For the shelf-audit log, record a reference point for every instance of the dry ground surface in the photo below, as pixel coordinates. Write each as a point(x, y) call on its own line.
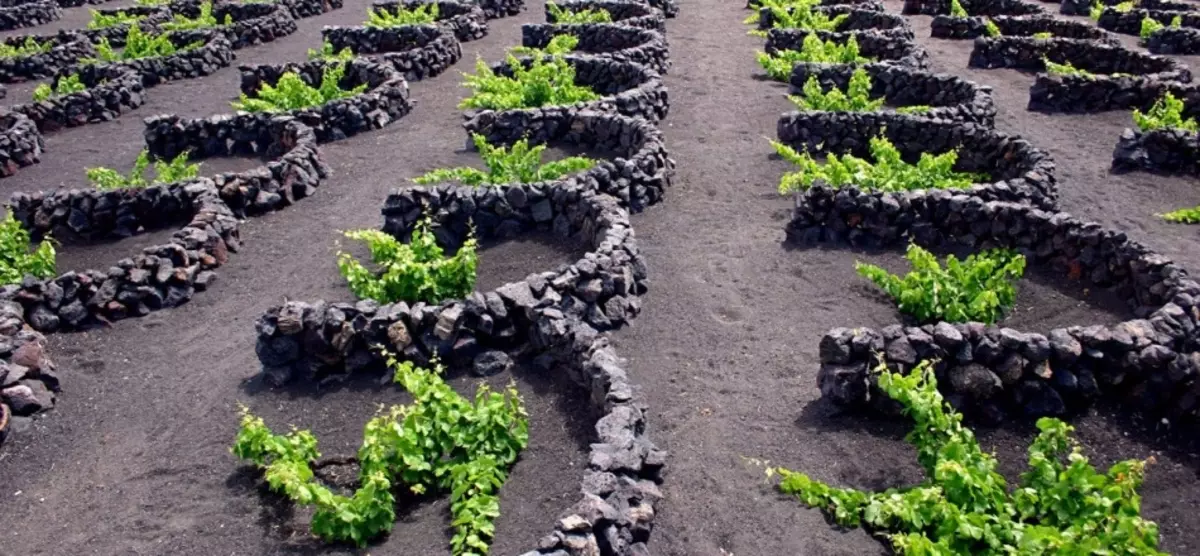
point(135, 459)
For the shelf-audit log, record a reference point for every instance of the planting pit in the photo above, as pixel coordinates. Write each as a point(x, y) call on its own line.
point(466, 20)
point(973, 7)
point(949, 27)
point(253, 24)
point(1170, 40)
point(110, 92)
point(216, 53)
point(152, 16)
point(949, 97)
point(619, 42)
point(1130, 22)
point(633, 14)
point(68, 49)
point(416, 51)
point(856, 19)
point(892, 45)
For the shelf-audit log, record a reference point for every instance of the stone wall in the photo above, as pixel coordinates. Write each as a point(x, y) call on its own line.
point(21, 143)
point(991, 372)
point(108, 95)
point(253, 24)
point(153, 16)
point(893, 45)
point(951, 97)
point(624, 87)
point(416, 51)
point(495, 9)
point(973, 7)
point(949, 27)
point(1018, 171)
point(311, 8)
point(467, 21)
point(300, 339)
point(1167, 151)
point(29, 15)
point(69, 48)
point(215, 54)
point(633, 14)
point(1130, 23)
point(638, 175)
point(28, 381)
point(620, 42)
point(1176, 41)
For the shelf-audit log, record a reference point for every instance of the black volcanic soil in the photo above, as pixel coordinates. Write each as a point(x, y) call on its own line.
point(135, 458)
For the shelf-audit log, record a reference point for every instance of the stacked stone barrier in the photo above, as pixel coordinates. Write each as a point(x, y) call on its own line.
point(973, 7)
point(949, 97)
point(873, 5)
point(110, 92)
point(496, 9)
point(1130, 22)
point(385, 100)
point(252, 24)
point(622, 12)
point(1018, 171)
point(856, 19)
point(1164, 151)
point(28, 381)
point(638, 175)
point(620, 486)
point(467, 21)
point(214, 54)
point(1123, 79)
point(992, 372)
point(416, 51)
point(311, 8)
point(311, 340)
point(1174, 41)
point(624, 87)
point(949, 27)
point(30, 14)
point(620, 42)
point(21, 144)
point(894, 46)
point(152, 17)
point(1083, 7)
point(68, 48)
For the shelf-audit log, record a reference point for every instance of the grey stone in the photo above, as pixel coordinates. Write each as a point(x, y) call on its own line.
point(490, 363)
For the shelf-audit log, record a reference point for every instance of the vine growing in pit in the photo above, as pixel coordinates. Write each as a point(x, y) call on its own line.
point(548, 79)
point(442, 442)
point(888, 171)
point(779, 66)
point(418, 270)
point(519, 163)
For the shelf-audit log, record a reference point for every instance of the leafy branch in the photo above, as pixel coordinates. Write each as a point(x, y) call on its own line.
point(563, 16)
point(64, 86)
point(292, 93)
point(1167, 112)
point(381, 18)
point(547, 80)
point(16, 259)
point(415, 271)
point(519, 163)
point(175, 170)
point(779, 66)
point(888, 172)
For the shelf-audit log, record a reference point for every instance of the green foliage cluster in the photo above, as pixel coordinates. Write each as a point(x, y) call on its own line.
point(64, 86)
point(16, 260)
point(1126, 7)
point(1066, 69)
point(175, 170)
point(800, 15)
point(292, 93)
point(978, 289)
point(1096, 10)
point(152, 3)
point(856, 97)
point(1183, 216)
point(205, 20)
point(755, 15)
point(138, 45)
point(1062, 505)
point(813, 49)
point(549, 80)
point(415, 271)
point(520, 163)
point(1167, 112)
point(564, 16)
point(442, 442)
point(1151, 26)
point(327, 53)
point(1043, 35)
point(104, 21)
point(27, 48)
point(887, 173)
point(957, 9)
point(914, 109)
point(990, 29)
point(383, 19)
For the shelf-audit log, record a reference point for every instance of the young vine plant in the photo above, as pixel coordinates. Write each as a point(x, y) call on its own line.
point(205, 20)
point(957, 9)
point(138, 45)
point(327, 53)
point(1183, 216)
point(292, 93)
point(856, 97)
point(65, 85)
point(888, 172)
point(990, 29)
point(977, 289)
point(381, 18)
point(563, 16)
point(779, 66)
point(415, 271)
point(104, 21)
point(441, 442)
point(519, 163)
point(1066, 69)
point(165, 172)
point(801, 16)
point(755, 15)
point(546, 80)
point(17, 260)
point(28, 47)
point(1167, 112)
point(1061, 505)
